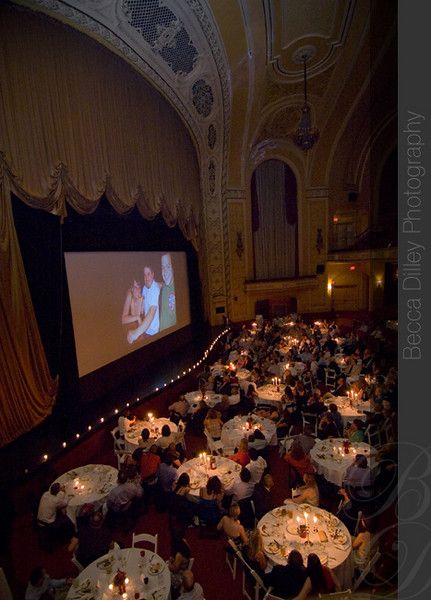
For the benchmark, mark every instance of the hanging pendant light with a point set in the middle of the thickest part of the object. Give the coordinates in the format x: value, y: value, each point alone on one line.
x: 306, y: 135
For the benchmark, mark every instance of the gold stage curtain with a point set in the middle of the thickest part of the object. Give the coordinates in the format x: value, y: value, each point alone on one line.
x: 27, y: 391
x: 77, y: 122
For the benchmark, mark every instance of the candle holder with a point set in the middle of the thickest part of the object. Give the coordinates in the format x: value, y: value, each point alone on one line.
x: 120, y: 582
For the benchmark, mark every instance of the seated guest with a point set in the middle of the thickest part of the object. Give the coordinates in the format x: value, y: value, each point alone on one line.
x: 166, y: 438
x: 241, y: 457
x: 315, y: 406
x: 327, y: 428
x: 121, y: 497
x: 210, y: 500
x: 307, y: 439
x: 177, y: 457
x: 41, y: 585
x: 231, y: 525
x: 213, y: 424
x: 125, y: 421
x: 287, y: 581
x: 190, y: 589
x: 178, y: 410
x: 257, y: 464
x: 145, y: 442
x: 150, y: 463
x: 250, y: 400
x: 355, y: 433
x: 226, y: 387
x: 94, y: 538
x: 198, y: 418
x: 361, y: 545
x: 358, y: 479
x: 167, y: 473
x: 178, y: 565
x: 337, y: 418
x: 243, y: 488
x: 299, y: 463
x: 257, y: 441
x: 254, y: 553
x: 320, y: 579
x: 52, y: 511
x: 262, y: 496
x: 309, y: 492
x: 182, y: 508
x: 223, y: 408
x: 340, y: 386
x: 131, y: 463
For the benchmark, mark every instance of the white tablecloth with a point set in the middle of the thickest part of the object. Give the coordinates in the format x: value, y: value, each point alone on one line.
x: 89, y: 484
x: 334, y: 467
x: 348, y: 412
x: 100, y: 574
x: 226, y: 470
x: 279, y: 529
x: 268, y: 394
x: 238, y: 427
x: 210, y: 399
x: 133, y: 435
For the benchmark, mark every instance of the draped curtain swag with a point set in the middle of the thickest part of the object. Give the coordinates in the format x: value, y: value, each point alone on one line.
x: 76, y: 123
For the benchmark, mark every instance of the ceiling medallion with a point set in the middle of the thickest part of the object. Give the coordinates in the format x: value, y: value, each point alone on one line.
x: 306, y: 135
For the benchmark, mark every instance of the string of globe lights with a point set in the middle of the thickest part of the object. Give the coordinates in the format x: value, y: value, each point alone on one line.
x: 102, y: 420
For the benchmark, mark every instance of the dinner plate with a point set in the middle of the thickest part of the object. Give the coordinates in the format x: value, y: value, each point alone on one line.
x: 156, y: 568
x: 292, y: 529
x: 272, y: 548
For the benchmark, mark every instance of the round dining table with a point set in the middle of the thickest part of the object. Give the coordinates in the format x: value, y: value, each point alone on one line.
x: 148, y: 577
x: 330, y: 458
x: 243, y: 426
x: 347, y: 412
x: 210, y: 399
x: 133, y: 435
x: 87, y: 484
x: 199, y: 472
x: 270, y: 394
x: 322, y: 533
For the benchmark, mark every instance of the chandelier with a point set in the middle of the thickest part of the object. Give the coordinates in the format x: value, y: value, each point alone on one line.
x: 306, y: 135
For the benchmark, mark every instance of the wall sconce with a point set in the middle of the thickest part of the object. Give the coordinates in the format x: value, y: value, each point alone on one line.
x: 335, y: 219
x: 379, y: 282
x: 239, y: 244
x: 330, y: 284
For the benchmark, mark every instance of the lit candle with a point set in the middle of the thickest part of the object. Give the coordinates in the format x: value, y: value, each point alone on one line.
x: 126, y: 581
x: 111, y: 587
x: 298, y: 520
x: 315, y: 520
x: 306, y: 518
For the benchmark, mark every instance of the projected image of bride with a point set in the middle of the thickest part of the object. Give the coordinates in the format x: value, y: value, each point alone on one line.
x: 151, y: 322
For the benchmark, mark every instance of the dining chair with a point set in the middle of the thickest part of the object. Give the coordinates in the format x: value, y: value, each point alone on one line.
x: 366, y: 570
x: 213, y: 445
x: 344, y: 595
x: 231, y: 557
x: 358, y: 520
x: 373, y: 436
x: 309, y: 419
x: 270, y: 596
x: 76, y: 562
x: 330, y: 378
x: 252, y: 584
x: 5, y: 591
x: 191, y: 563
x: 145, y: 537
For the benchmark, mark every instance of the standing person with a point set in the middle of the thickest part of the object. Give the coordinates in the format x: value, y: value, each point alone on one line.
x: 168, y: 314
x: 150, y: 292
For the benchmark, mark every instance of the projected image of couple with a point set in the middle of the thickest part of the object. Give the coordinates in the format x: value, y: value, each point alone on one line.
x: 151, y: 307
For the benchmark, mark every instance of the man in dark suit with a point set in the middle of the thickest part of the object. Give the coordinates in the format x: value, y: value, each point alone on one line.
x: 262, y: 497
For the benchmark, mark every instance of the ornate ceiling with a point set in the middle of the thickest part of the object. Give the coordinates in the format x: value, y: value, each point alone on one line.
x: 228, y: 65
